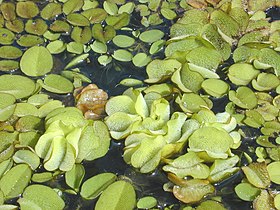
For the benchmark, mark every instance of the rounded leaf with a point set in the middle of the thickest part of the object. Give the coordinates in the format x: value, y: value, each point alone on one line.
x: 273, y: 171
x: 15, y: 180
x: 123, y: 41
x: 122, y: 55
x: 95, y: 185
x: 6, y: 36
x: 57, y: 84
x: 27, y: 9
x: 146, y: 202
x: 16, y: 85
x: 246, y: 191
x: 36, y: 61
x: 151, y: 35
x: 119, y: 195
x: 10, y: 52
x: 41, y: 197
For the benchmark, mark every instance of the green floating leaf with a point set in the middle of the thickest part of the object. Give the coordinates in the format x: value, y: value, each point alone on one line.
x: 29, y: 123
x: 16, y: 26
x: 225, y: 23
x: 103, y: 35
x: 211, y: 34
x: 95, y: 185
x: 9, y: 65
x: 216, y: 142
x: 244, y: 97
x: 89, y: 4
x: 263, y: 201
x: 99, y: 47
x: 77, y: 60
x: 49, y: 106
x: 265, y: 82
x: 128, y: 8
x: 7, y: 112
x: 147, y: 156
x: 187, y: 80
x: 51, y: 10
x: 77, y: 19
x: 71, y: 6
x: 120, y: 103
x: 15, y: 180
x: 28, y: 40
x: 246, y: 191
x: 10, y: 52
x: 277, y: 201
x: 215, y: 87
x: 38, y: 99
x: 56, y: 153
x: 104, y: 59
x: 95, y: 15
x: 42, y: 177
x: 75, y: 176
x: 122, y: 55
x: 56, y: 47
x: 141, y: 59
x: 75, y: 74
x: 204, y: 60
x: 242, y: 73
x: 192, y: 102
x: 8, y: 10
x: 110, y: 7
x: 195, y: 16
x: 8, y: 207
x: 28, y: 157
x: 5, y: 166
x: 210, y: 204
x: 60, y: 26
x: 273, y: 171
x: 158, y: 70
x: 57, y: 84
x: 269, y: 113
x: 32, y: 63
x: 245, y: 54
x: 188, y: 164
x: 24, y: 109
x: 180, y: 46
x: 151, y: 36
x: 268, y: 58
x: 130, y: 82
x: 169, y: 14
x: 119, y: 195
x: 118, y: 21
x: 81, y: 34
x: 42, y: 197
x: 147, y: 202
x: 16, y: 85
x: 257, y: 174
x: 37, y: 26
x: 156, y: 46
x: 123, y: 41
x: 6, y: 100
x: 193, y: 190
x: 75, y: 47
x: 6, y: 37
x: 27, y: 9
